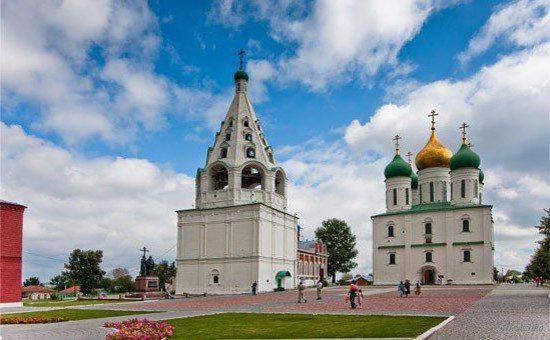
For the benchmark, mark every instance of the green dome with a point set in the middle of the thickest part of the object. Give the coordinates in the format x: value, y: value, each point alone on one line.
x: 240, y: 74
x: 481, y: 176
x: 414, y: 181
x: 465, y: 158
x: 397, y: 167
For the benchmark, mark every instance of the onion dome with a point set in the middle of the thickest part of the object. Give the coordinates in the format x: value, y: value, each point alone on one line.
x: 397, y: 167
x: 465, y: 158
x: 240, y: 74
x: 481, y: 176
x: 434, y: 154
x: 414, y: 181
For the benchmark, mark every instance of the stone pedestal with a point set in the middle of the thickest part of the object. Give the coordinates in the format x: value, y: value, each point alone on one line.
x: 147, y: 284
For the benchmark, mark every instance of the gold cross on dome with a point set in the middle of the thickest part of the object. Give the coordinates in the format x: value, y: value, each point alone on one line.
x: 396, y: 139
x: 463, y: 128
x: 409, y: 155
x: 433, y: 114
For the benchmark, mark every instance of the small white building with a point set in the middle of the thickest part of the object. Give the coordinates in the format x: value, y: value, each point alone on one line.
x: 239, y: 231
x: 435, y: 228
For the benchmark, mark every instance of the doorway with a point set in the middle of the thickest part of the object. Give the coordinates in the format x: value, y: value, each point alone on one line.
x: 428, y: 276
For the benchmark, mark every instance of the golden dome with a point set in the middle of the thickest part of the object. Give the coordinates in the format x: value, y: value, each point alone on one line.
x: 434, y: 154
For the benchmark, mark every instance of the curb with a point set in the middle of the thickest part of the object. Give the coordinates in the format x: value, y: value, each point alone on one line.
x: 434, y: 329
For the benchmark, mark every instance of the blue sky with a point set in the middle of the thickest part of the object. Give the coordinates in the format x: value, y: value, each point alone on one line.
x: 108, y: 109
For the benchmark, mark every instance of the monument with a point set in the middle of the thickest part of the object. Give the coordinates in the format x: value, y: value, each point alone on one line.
x: 146, y: 281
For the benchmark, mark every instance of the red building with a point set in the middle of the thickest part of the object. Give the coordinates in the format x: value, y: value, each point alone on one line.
x: 312, y: 260
x: 11, y: 240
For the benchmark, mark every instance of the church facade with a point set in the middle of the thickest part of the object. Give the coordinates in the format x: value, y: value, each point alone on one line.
x: 436, y: 228
x: 239, y: 231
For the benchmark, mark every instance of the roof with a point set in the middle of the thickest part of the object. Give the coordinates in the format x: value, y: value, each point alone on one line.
x: 72, y: 289
x: 36, y: 289
x: 307, y: 245
x: 364, y: 277
x: 12, y: 203
x: 420, y: 208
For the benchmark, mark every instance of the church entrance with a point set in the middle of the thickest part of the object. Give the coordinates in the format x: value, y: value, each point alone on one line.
x: 428, y: 275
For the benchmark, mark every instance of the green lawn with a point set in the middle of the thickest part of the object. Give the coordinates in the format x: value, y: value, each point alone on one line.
x: 67, y: 303
x: 76, y: 314
x: 250, y: 325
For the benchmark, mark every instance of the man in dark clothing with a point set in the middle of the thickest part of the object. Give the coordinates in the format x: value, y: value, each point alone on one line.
x: 407, y: 287
x: 254, y: 288
x: 352, y: 294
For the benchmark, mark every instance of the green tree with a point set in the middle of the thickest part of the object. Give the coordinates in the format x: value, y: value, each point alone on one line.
x: 165, y: 272
x: 32, y: 281
x: 123, y: 284
x: 60, y: 282
x: 540, y: 261
x: 340, y: 242
x: 84, y: 268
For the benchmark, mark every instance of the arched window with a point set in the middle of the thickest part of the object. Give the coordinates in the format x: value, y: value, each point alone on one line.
x: 431, y: 191
x: 467, y: 256
x: 406, y: 196
x: 394, y: 192
x: 270, y: 156
x: 428, y: 228
x: 250, y: 153
x: 230, y: 122
x: 248, y: 137
x: 428, y: 256
x: 227, y: 136
x: 390, y: 231
x: 219, y: 178
x: 463, y: 188
x: 392, y: 258
x: 223, y: 153
x: 245, y: 123
x: 280, y: 183
x: 465, y: 226
x: 252, y: 178
x: 215, y: 274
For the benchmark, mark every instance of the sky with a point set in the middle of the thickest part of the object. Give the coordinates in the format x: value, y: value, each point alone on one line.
x: 108, y: 108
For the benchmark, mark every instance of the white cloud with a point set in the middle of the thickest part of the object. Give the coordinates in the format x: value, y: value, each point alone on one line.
x: 114, y: 204
x: 521, y: 23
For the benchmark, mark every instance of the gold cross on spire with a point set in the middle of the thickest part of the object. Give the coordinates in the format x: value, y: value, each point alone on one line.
x: 396, y: 140
x: 241, y: 53
x: 463, y: 128
x: 433, y: 114
x: 409, y: 155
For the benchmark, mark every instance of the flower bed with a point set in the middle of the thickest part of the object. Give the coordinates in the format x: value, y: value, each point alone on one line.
x: 30, y: 319
x: 142, y: 329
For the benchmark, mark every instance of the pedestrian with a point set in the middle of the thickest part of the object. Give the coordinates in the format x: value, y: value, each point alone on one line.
x: 407, y: 287
x: 417, y: 289
x: 352, y: 293
x: 360, y: 298
x: 254, y: 288
x: 301, y: 288
x: 319, y: 288
x: 400, y: 289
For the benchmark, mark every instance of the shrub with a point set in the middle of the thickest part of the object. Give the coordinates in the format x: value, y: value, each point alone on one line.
x: 30, y: 319
x: 142, y: 329
x: 279, y: 289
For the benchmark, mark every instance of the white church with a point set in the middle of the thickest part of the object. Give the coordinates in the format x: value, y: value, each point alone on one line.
x: 436, y: 228
x: 239, y: 231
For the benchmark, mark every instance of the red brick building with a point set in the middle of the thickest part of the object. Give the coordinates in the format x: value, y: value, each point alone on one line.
x: 11, y: 240
x: 312, y: 260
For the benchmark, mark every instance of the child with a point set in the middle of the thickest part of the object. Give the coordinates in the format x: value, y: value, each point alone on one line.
x: 417, y: 289
x: 360, y: 297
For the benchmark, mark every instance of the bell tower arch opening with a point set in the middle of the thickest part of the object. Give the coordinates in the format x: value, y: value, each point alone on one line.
x: 252, y: 177
x: 280, y: 182
x: 219, y: 178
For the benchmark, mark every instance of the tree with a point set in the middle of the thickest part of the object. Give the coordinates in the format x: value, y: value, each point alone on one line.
x: 340, y: 242
x: 540, y: 261
x: 124, y: 284
x: 60, y: 281
x: 32, y: 281
x: 119, y: 272
x: 165, y: 272
x: 83, y: 268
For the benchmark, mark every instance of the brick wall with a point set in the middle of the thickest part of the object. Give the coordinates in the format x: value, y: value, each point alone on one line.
x: 11, y: 240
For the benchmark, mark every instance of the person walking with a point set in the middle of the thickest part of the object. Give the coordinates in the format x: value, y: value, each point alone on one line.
x: 407, y: 287
x: 254, y: 288
x: 352, y: 294
x: 400, y: 289
x: 319, y: 288
x: 301, y: 289
x: 360, y: 298
x: 417, y: 287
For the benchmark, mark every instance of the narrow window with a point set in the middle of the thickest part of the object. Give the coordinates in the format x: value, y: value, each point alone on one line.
x: 250, y: 153
x: 407, y: 196
x: 216, y: 279
x: 246, y: 123
x: 223, y: 153
x: 475, y: 188
x: 429, y: 256
x: 270, y: 156
x: 231, y: 123
x: 444, y: 192
x: 467, y: 256
x: 452, y: 197
x: 248, y: 137
x: 431, y: 191
x: 394, y: 196
x: 227, y: 136
x: 428, y: 228
x: 390, y: 231
x: 465, y: 226
x: 392, y: 258
x: 463, y: 188
x: 420, y: 192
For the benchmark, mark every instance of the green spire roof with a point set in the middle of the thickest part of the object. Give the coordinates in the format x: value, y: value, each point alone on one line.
x: 240, y: 74
x: 465, y: 158
x: 481, y: 176
x: 414, y: 180
x: 397, y: 167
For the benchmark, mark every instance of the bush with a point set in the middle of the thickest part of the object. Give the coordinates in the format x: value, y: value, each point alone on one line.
x: 29, y: 320
x: 142, y: 329
x: 279, y: 289
x: 54, y: 297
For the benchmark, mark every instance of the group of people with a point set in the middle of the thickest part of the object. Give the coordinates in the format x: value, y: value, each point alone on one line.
x: 355, y: 295
x: 302, y: 287
x: 404, y: 288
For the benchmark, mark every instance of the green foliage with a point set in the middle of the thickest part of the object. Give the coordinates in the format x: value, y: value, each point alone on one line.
x: 76, y: 314
x: 345, y: 278
x: 60, y: 282
x: 540, y: 261
x: 124, y: 284
x: 279, y: 289
x: 165, y: 272
x: 340, y: 242
x: 32, y: 281
x: 83, y: 268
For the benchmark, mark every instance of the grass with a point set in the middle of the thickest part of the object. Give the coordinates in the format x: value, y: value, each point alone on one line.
x: 75, y: 314
x: 288, y: 326
x: 68, y: 303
